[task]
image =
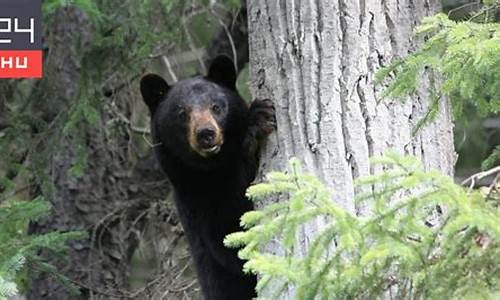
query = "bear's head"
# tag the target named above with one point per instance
(199, 118)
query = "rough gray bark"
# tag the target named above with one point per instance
(316, 60)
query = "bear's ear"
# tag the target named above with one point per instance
(223, 72)
(153, 90)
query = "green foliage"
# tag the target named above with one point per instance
(462, 63)
(405, 243)
(493, 159)
(464, 55)
(232, 4)
(88, 6)
(17, 249)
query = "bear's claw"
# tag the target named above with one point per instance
(262, 117)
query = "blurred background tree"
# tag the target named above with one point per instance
(476, 134)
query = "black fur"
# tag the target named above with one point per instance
(210, 191)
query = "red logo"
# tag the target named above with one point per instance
(21, 64)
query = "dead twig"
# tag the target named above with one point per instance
(462, 7)
(479, 176)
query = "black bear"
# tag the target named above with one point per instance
(206, 139)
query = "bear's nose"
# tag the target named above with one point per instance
(205, 137)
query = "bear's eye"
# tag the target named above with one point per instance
(216, 109)
(181, 113)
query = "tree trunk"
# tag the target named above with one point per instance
(316, 60)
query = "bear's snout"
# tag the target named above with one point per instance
(205, 134)
(206, 137)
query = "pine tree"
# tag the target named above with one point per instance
(404, 243)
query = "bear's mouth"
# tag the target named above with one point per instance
(205, 136)
(205, 152)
